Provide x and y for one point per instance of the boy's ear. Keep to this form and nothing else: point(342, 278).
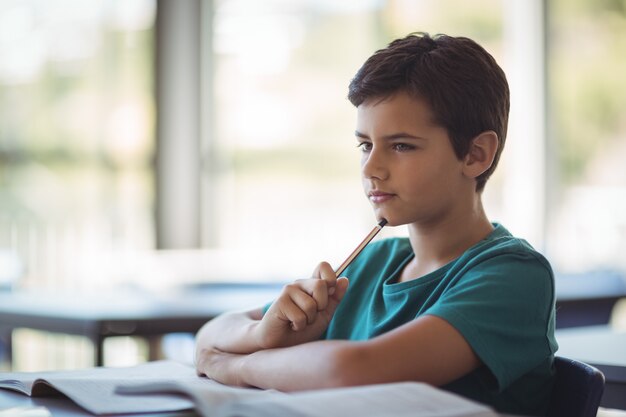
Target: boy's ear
point(481, 154)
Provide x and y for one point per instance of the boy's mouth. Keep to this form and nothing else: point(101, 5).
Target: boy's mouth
point(379, 197)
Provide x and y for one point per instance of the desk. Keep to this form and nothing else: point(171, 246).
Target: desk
point(587, 299)
point(149, 315)
point(603, 348)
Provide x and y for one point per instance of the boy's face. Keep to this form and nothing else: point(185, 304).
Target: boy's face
point(409, 169)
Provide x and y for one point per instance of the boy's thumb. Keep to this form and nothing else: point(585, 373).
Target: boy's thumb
point(341, 286)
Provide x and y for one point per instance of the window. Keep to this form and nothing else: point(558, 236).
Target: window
point(587, 215)
point(76, 135)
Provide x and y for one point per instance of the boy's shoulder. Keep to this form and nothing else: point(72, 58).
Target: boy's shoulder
point(502, 243)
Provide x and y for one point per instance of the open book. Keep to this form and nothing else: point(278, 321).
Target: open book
point(170, 386)
point(94, 388)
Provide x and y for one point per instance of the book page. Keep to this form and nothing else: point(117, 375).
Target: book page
point(94, 388)
point(210, 397)
point(16, 382)
point(407, 399)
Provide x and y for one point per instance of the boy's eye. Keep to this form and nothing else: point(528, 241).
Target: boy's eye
point(365, 146)
point(402, 147)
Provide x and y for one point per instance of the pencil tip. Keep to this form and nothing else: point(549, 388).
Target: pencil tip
point(382, 222)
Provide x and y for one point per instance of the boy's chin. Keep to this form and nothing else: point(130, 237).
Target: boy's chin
point(392, 221)
point(380, 216)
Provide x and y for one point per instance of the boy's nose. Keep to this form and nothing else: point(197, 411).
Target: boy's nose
point(373, 166)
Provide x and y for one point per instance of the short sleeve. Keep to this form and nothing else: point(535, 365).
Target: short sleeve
point(503, 307)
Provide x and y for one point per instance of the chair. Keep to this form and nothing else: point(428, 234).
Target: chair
point(577, 390)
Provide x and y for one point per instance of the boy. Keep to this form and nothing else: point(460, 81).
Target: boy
point(460, 303)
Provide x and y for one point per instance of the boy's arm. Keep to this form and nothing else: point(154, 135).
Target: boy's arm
point(299, 314)
point(231, 332)
point(427, 349)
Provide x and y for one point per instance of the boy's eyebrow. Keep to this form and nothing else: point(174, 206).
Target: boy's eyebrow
point(399, 135)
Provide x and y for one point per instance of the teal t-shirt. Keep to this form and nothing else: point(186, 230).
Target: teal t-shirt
point(499, 295)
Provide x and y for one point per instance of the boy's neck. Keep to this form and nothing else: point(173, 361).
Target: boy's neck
point(437, 244)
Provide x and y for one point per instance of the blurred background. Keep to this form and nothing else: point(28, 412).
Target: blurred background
point(147, 143)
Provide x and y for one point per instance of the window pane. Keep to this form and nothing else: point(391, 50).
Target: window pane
point(76, 134)
point(588, 97)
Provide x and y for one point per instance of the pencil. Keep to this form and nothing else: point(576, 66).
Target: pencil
point(361, 246)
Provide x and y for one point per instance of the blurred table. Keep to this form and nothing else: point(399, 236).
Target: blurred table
point(588, 298)
point(604, 348)
point(150, 315)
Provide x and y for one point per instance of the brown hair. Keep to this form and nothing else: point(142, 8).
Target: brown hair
point(464, 86)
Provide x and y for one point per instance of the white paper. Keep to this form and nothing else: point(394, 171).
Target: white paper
point(397, 399)
point(168, 386)
point(405, 399)
point(94, 388)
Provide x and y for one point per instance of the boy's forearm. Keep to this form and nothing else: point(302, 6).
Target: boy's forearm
point(314, 365)
point(232, 332)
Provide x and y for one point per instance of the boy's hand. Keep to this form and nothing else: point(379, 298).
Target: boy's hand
point(303, 309)
point(220, 366)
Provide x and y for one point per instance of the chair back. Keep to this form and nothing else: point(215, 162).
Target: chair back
point(577, 390)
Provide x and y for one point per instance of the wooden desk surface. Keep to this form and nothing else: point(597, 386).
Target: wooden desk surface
point(588, 299)
point(151, 315)
point(600, 345)
point(136, 313)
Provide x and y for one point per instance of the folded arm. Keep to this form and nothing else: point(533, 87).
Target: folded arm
point(231, 332)
point(427, 349)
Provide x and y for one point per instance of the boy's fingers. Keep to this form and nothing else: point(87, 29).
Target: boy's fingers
point(295, 316)
point(341, 288)
point(316, 272)
point(316, 288)
point(307, 304)
point(320, 294)
point(326, 273)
